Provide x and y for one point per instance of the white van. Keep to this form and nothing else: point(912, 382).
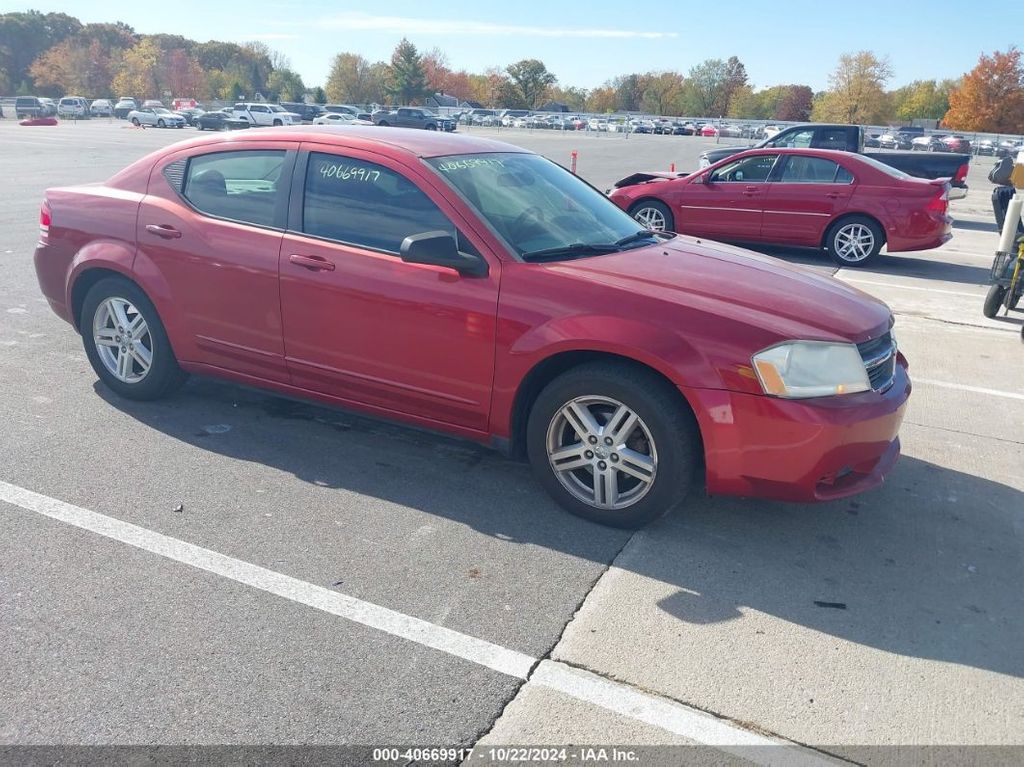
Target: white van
point(73, 107)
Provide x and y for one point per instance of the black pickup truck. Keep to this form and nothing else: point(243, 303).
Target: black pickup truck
point(850, 138)
point(410, 117)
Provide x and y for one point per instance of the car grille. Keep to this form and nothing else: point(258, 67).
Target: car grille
point(879, 355)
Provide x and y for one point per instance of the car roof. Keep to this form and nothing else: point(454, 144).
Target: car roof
point(419, 143)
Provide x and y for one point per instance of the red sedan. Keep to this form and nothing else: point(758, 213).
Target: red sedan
point(848, 204)
point(475, 288)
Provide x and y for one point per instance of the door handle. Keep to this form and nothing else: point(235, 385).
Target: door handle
point(163, 230)
point(833, 195)
point(313, 263)
point(750, 191)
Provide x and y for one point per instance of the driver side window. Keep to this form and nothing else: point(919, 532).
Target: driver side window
point(748, 170)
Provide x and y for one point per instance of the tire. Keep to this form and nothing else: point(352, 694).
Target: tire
point(163, 375)
point(654, 215)
point(431, 127)
point(135, 121)
point(665, 431)
point(854, 241)
point(278, 123)
point(383, 124)
point(993, 301)
point(161, 124)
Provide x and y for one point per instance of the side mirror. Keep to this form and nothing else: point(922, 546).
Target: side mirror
point(440, 249)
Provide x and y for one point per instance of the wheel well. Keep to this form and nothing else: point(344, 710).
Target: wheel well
point(84, 284)
point(846, 217)
point(549, 369)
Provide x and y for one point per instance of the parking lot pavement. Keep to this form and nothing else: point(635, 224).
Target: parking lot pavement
point(713, 609)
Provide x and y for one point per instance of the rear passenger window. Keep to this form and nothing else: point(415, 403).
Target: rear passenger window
point(843, 176)
point(365, 204)
point(240, 186)
point(808, 170)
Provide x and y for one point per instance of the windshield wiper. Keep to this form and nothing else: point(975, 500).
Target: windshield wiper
point(643, 234)
point(573, 250)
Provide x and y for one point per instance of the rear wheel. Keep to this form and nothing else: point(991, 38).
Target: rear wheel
point(613, 443)
point(126, 343)
point(135, 121)
point(383, 123)
point(654, 215)
point(854, 241)
point(161, 124)
point(431, 127)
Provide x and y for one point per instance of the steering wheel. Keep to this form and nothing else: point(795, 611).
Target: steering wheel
point(533, 215)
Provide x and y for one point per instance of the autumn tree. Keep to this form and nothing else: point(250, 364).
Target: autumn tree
point(662, 93)
point(601, 100)
point(436, 70)
point(529, 81)
point(407, 82)
point(856, 92)
point(990, 97)
point(25, 36)
point(795, 105)
point(629, 91)
point(286, 85)
point(350, 80)
point(319, 95)
point(748, 105)
point(136, 73)
point(573, 97)
point(180, 73)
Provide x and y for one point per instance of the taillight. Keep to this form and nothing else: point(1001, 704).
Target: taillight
point(961, 173)
point(939, 203)
point(44, 218)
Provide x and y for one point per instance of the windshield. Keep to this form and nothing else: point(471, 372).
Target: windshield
point(537, 205)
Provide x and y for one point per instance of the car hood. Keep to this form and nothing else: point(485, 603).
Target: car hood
point(791, 301)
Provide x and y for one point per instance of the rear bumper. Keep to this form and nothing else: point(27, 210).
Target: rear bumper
point(921, 231)
point(787, 450)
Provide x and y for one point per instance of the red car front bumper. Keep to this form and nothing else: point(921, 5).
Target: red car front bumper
point(793, 450)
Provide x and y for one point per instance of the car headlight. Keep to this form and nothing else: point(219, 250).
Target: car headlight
point(801, 369)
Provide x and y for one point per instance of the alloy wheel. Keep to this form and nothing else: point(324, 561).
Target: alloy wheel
point(854, 243)
point(602, 452)
point(123, 340)
point(651, 218)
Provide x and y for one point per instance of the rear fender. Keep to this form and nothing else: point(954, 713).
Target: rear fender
point(111, 255)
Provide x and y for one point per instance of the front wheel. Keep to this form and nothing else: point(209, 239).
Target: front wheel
point(126, 343)
point(993, 301)
point(161, 124)
point(654, 215)
point(854, 241)
point(613, 443)
point(278, 123)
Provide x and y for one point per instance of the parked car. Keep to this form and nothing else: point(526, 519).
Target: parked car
point(731, 131)
point(153, 104)
point(985, 147)
point(708, 130)
point(123, 106)
point(872, 140)
point(266, 115)
point(888, 141)
point(306, 112)
point(680, 128)
point(72, 107)
point(49, 107)
point(156, 116)
point(534, 318)
point(929, 143)
point(28, 107)
point(509, 115)
point(413, 117)
point(101, 108)
point(191, 114)
point(355, 111)
point(813, 198)
point(220, 120)
point(1009, 147)
point(850, 138)
point(957, 143)
point(339, 118)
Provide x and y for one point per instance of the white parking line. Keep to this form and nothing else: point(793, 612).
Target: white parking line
point(674, 717)
point(690, 723)
point(857, 281)
point(478, 651)
point(964, 387)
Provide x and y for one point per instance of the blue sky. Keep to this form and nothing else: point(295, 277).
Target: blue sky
point(584, 44)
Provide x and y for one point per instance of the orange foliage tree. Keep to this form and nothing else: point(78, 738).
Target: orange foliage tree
point(990, 97)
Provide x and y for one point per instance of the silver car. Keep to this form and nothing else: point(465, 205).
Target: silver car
point(156, 116)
